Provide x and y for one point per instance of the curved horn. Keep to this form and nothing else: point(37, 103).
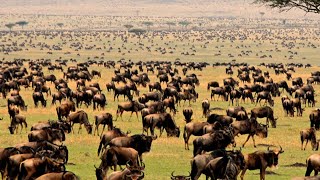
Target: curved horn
point(172, 174)
point(268, 148)
point(281, 151)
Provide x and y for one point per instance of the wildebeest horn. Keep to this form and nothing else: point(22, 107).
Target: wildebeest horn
point(281, 151)
point(143, 165)
point(268, 148)
point(172, 174)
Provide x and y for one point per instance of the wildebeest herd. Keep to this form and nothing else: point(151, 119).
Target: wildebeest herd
point(216, 150)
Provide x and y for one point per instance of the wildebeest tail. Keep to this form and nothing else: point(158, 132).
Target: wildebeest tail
point(58, 113)
point(22, 171)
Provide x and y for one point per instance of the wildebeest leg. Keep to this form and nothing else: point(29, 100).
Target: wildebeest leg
point(247, 140)
point(137, 115)
point(72, 127)
point(262, 173)
point(80, 127)
point(306, 144)
point(102, 129)
point(242, 173)
point(316, 172)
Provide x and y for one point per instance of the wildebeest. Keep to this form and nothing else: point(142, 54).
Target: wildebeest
point(114, 156)
point(313, 164)
point(315, 118)
point(64, 109)
point(212, 84)
point(226, 167)
point(266, 96)
point(99, 99)
point(13, 110)
point(5, 153)
point(251, 127)
point(224, 120)
point(193, 128)
point(187, 113)
point(38, 96)
point(261, 160)
point(17, 100)
point(205, 107)
point(108, 136)
point(52, 124)
point(80, 117)
point(219, 139)
point(266, 111)
point(47, 134)
point(130, 173)
point(15, 121)
point(139, 142)
point(309, 134)
point(161, 121)
point(65, 175)
point(133, 106)
point(104, 119)
point(31, 168)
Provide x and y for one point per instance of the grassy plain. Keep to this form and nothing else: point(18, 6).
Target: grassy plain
point(168, 154)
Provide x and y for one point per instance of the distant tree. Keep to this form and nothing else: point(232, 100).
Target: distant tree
point(286, 5)
point(137, 31)
point(10, 26)
point(184, 24)
point(60, 25)
point(148, 24)
point(22, 23)
point(170, 24)
point(128, 26)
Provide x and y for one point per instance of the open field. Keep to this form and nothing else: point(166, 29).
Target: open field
point(168, 154)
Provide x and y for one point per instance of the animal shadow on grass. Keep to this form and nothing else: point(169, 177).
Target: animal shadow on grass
point(270, 173)
point(295, 165)
point(266, 145)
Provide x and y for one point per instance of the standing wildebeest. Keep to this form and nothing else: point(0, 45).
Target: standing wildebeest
point(187, 113)
point(313, 163)
point(105, 119)
point(296, 103)
point(226, 167)
point(156, 86)
point(114, 156)
point(139, 142)
point(315, 118)
point(235, 95)
point(58, 96)
point(221, 91)
point(266, 96)
point(212, 84)
point(13, 110)
point(251, 127)
point(224, 120)
point(108, 136)
point(99, 99)
point(261, 160)
point(205, 107)
point(310, 98)
point(161, 121)
point(123, 90)
point(309, 134)
point(266, 111)
point(233, 111)
point(80, 117)
point(38, 96)
point(219, 139)
point(17, 100)
point(192, 128)
point(15, 121)
point(65, 108)
point(133, 106)
point(5, 153)
point(288, 107)
point(47, 134)
point(65, 126)
point(65, 175)
point(35, 167)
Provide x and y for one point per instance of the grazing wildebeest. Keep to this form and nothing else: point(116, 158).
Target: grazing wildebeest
point(226, 167)
point(187, 113)
point(266, 111)
point(161, 121)
point(139, 142)
point(64, 109)
point(65, 175)
point(104, 119)
point(15, 121)
point(133, 106)
point(38, 96)
point(114, 156)
point(261, 160)
point(193, 128)
point(17, 100)
point(52, 124)
point(219, 139)
point(108, 136)
point(80, 117)
point(47, 134)
point(250, 127)
point(32, 168)
point(205, 107)
point(309, 134)
point(58, 96)
point(266, 96)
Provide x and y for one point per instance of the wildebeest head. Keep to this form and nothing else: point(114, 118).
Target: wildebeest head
point(146, 142)
point(12, 129)
point(238, 157)
point(180, 177)
point(273, 156)
point(262, 130)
